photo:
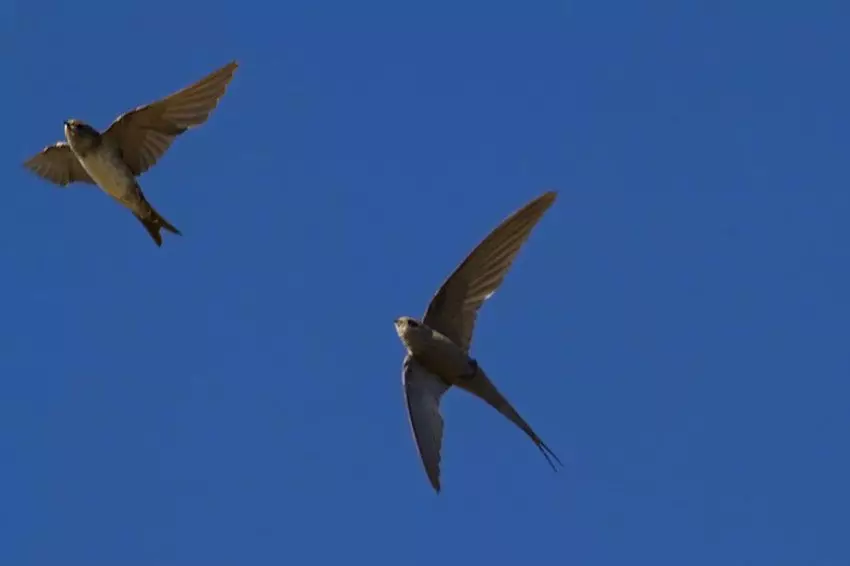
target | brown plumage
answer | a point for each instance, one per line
(438, 347)
(131, 145)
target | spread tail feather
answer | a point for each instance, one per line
(154, 222)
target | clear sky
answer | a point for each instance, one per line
(676, 328)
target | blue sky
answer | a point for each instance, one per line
(676, 328)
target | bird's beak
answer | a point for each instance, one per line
(67, 125)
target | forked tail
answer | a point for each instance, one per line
(154, 222)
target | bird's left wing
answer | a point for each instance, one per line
(145, 133)
(423, 392)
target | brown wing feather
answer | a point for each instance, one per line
(58, 164)
(454, 309)
(145, 133)
(423, 391)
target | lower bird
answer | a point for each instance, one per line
(130, 146)
(438, 346)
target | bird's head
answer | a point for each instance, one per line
(404, 326)
(80, 135)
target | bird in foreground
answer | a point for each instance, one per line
(130, 146)
(438, 346)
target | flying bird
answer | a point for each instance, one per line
(130, 146)
(438, 346)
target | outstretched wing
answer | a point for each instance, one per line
(58, 164)
(423, 392)
(145, 133)
(454, 309)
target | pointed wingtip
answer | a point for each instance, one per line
(536, 207)
(548, 197)
(225, 72)
(228, 69)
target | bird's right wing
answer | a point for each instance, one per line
(454, 308)
(423, 392)
(58, 164)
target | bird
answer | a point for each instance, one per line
(132, 144)
(437, 347)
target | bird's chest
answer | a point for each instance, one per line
(442, 357)
(109, 171)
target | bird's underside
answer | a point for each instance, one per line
(445, 333)
(133, 143)
(424, 391)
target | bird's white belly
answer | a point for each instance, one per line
(111, 175)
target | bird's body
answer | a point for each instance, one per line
(435, 351)
(441, 358)
(103, 161)
(438, 346)
(104, 164)
(131, 145)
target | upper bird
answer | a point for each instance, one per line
(130, 146)
(438, 346)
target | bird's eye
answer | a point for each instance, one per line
(412, 323)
